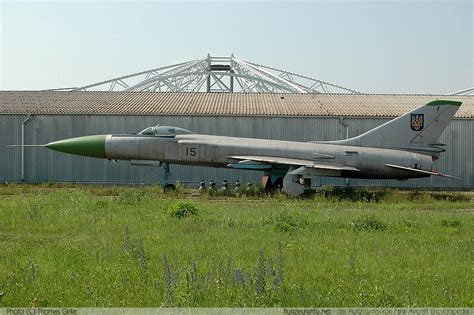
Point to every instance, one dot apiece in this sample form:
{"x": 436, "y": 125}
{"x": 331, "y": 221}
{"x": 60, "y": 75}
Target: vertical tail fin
{"x": 419, "y": 128}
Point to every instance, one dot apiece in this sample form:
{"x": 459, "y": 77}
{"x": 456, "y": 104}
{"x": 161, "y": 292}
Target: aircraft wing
{"x": 306, "y": 167}
{"x": 420, "y": 171}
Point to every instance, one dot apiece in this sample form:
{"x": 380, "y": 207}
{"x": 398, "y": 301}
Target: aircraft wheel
{"x": 169, "y": 188}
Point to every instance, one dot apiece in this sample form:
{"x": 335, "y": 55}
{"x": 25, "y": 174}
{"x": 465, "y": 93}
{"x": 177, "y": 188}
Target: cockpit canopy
{"x": 163, "y": 131}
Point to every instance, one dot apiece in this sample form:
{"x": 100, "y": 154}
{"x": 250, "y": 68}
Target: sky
{"x": 373, "y": 46}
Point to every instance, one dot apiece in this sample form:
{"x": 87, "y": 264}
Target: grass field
{"x": 125, "y": 246}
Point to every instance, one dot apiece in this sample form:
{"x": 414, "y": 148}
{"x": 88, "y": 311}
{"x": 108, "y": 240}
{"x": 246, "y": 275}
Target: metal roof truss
{"x": 216, "y": 74}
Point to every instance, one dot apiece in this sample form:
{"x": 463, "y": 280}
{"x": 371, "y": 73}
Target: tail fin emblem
{"x": 417, "y": 122}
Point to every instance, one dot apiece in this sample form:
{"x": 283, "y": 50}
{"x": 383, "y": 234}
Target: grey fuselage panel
{"x": 215, "y": 151}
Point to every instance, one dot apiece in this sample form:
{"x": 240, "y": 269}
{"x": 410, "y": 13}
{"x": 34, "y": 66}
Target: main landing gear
{"x": 291, "y": 183}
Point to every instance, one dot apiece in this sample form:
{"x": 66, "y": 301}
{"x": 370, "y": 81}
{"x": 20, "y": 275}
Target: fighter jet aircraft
{"x": 402, "y": 148}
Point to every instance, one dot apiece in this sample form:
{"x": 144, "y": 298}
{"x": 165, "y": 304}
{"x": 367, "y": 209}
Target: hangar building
{"x": 45, "y": 116}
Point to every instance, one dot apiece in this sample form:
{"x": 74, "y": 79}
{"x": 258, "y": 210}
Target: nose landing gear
{"x": 167, "y": 187}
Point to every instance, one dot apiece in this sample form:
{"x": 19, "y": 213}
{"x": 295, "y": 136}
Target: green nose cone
{"x": 93, "y": 146}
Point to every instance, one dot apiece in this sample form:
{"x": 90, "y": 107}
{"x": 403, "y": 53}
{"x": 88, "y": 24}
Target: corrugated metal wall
{"x": 43, "y": 165}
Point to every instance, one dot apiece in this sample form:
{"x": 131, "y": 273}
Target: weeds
{"x": 384, "y": 299}
{"x": 33, "y": 271}
{"x": 410, "y": 223}
{"x": 280, "y": 273}
{"x": 416, "y": 195}
{"x": 143, "y": 260}
{"x": 101, "y": 203}
{"x": 239, "y": 277}
{"x": 354, "y": 194}
{"x": 182, "y": 210}
{"x": 289, "y": 221}
{"x": 369, "y": 223}
{"x": 130, "y": 197}
{"x": 33, "y": 212}
{"x": 452, "y": 223}
{"x": 223, "y": 279}
{"x": 260, "y": 275}
{"x": 12, "y": 189}
{"x": 168, "y": 279}
{"x": 352, "y": 269}
{"x": 126, "y": 243}
{"x": 453, "y": 197}
{"x": 103, "y": 191}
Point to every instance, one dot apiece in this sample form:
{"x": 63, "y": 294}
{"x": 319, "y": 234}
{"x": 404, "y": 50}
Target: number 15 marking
{"x": 191, "y": 151}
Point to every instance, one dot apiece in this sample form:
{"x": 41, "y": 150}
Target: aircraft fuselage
{"x": 215, "y": 151}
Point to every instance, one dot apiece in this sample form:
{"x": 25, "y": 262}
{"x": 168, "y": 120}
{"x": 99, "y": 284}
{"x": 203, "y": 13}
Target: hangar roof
{"x": 218, "y": 104}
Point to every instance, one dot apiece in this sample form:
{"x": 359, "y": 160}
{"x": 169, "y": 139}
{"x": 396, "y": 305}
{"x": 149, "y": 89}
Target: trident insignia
{"x": 417, "y": 122}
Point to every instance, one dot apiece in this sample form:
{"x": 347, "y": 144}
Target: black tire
{"x": 169, "y": 188}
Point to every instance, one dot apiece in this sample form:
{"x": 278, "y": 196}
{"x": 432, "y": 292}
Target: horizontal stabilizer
{"x": 420, "y": 171}
{"x": 423, "y": 149}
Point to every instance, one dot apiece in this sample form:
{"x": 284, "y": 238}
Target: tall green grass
{"x": 69, "y": 245}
